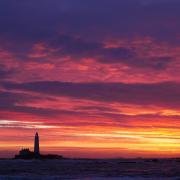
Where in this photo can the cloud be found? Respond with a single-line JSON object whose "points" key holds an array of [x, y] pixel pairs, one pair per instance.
{"points": [[26, 103], [158, 94], [79, 29], [78, 49], [5, 73], [94, 108], [25, 125], [156, 63], [44, 19], [11, 101], [89, 67]]}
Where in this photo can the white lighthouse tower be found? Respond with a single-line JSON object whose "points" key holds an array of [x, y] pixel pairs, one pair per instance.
{"points": [[36, 144]]}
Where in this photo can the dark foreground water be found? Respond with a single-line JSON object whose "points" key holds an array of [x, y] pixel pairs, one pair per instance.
{"points": [[90, 169]]}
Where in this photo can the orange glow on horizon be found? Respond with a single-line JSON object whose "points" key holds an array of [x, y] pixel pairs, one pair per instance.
{"points": [[109, 141]]}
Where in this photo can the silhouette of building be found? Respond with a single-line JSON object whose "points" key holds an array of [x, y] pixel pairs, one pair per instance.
{"points": [[27, 154], [36, 144]]}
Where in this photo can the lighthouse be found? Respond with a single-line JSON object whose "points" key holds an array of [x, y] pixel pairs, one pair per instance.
{"points": [[27, 154], [36, 144]]}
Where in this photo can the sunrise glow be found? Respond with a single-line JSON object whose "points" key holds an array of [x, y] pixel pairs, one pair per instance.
{"points": [[95, 79]]}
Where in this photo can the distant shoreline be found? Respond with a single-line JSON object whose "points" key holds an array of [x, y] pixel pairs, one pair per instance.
{"points": [[66, 158]]}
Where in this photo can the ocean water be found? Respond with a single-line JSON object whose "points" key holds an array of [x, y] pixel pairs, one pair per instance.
{"points": [[85, 178], [164, 169]]}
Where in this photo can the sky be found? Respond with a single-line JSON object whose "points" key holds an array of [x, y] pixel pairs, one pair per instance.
{"points": [[95, 78]]}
